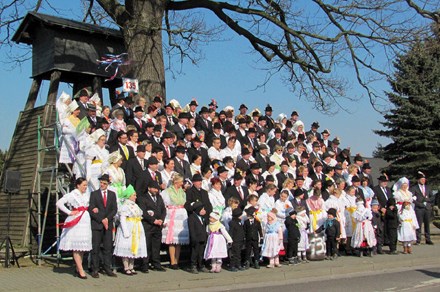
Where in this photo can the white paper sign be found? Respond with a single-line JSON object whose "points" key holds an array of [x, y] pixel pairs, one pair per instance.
{"points": [[130, 85]]}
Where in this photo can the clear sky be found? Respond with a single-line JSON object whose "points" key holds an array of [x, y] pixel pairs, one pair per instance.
{"points": [[227, 73]]}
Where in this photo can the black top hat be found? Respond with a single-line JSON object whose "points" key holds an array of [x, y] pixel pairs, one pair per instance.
{"points": [[420, 175], [250, 211], [217, 125], [140, 148], [157, 128], [255, 165], [252, 130], [237, 176], [315, 125], [104, 177], [237, 212], [138, 109], [355, 179], [151, 125], [91, 107], [245, 151], [193, 102], [153, 185], [221, 169], [332, 211], [278, 131], [382, 177], [270, 178], [294, 113], [167, 135], [289, 124], [188, 132], [242, 121], [152, 160], [184, 116], [298, 192], [180, 149], [197, 177], [170, 106], [203, 110], [157, 98], [268, 108], [242, 106], [366, 165]]}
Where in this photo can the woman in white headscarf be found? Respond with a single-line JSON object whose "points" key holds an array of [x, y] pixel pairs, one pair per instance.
{"points": [[96, 159], [116, 173], [62, 106], [401, 192]]}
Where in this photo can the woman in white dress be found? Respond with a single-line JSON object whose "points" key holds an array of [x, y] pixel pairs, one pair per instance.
{"points": [[196, 164], [363, 235], [69, 144], [168, 172], [96, 159], [176, 232], [62, 106], [116, 173], [130, 243], [216, 196], [77, 231], [350, 222], [402, 193]]}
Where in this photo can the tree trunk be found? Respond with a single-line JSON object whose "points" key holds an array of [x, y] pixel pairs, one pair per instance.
{"points": [[143, 39]]}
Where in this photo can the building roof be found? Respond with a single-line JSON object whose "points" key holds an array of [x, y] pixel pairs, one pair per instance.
{"points": [[22, 35]]}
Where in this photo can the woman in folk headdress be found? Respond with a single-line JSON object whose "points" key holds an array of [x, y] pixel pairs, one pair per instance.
{"points": [[96, 159], [116, 173], [130, 243], [69, 143]]}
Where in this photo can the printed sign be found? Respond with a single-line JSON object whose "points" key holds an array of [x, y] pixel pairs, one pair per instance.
{"points": [[130, 85]]}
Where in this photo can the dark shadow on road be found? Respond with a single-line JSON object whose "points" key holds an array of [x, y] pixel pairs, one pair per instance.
{"points": [[64, 270], [430, 273]]}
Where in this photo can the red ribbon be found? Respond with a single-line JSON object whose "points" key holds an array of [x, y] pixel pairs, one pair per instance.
{"points": [[76, 220]]}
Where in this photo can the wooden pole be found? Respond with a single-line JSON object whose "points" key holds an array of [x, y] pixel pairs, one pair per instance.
{"points": [[33, 94]]}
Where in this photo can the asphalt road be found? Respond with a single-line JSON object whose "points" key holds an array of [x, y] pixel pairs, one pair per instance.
{"points": [[424, 279]]}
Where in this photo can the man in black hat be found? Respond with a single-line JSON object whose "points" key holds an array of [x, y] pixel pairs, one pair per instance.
{"points": [[153, 174], [241, 131], [262, 157], [196, 148], [315, 154], [223, 175], [294, 116], [314, 131], [255, 174], [192, 108], [243, 111], [181, 166], [136, 174], [244, 163], [95, 122], [203, 123], [171, 119], [423, 206], [102, 209], [325, 138], [167, 142], [139, 124], [125, 150], [120, 101], [197, 194], [299, 200], [153, 217], [83, 99], [356, 182], [157, 102], [179, 128], [197, 233], [127, 109], [283, 174], [250, 141], [335, 146], [238, 191], [277, 140], [270, 123], [216, 133], [317, 172], [253, 234]]}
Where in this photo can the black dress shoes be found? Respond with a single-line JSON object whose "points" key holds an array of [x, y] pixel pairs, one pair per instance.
{"points": [[429, 242], [159, 269], [110, 273], [95, 274]]}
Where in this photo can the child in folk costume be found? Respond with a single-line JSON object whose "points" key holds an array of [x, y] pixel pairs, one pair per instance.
{"points": [[266, 203], [316, 209], [236, 231], [283, 206], [332, 230], [130, 242], [338, 202], [118, 123], [407, 228], [227, 213], [350, 222], [363, 238], [216, 196], [273, 240], [198, 236], [218, 240], [304, 225], [293, 237], [253, 235]]}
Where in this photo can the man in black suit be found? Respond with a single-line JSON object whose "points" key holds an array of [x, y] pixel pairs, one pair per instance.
{"points": [[250, 141], [277, 140], [169, 115], [179, 128], [223, 174], [314, 155], [197, 149], [202, 122], [366, 172], [102, 208], [356, 182], [244, 163], [238, 191], [153, 174], [255, 174], [216, 129], [262, 157], [83, 99], [197, 194], [137, 174], [153, 216], [197, 221], [139, 124], [283, 174], [298, 200], [270, 123], [317, 173], [167, 141], [95, 122], [125, 150], [181, 166], [382, 192], [314, 131], [423, 206]]}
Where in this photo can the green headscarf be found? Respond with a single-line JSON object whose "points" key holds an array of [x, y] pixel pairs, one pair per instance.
{"points": [[127, 192]]}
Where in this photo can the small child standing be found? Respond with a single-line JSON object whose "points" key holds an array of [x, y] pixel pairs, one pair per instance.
{"points": [[407, 228], [253, 234], [218, 241], [363, 238], [293, 237], [391, 224], [273, 240], [332, 230], [197, 235], [378, 225], [237, 234], [304, 222]]}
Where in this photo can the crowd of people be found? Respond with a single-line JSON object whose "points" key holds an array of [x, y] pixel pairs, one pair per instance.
{"points": [[239, 188]]}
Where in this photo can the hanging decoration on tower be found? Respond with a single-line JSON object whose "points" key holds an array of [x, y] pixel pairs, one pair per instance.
{"points": [[114, 62]]}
